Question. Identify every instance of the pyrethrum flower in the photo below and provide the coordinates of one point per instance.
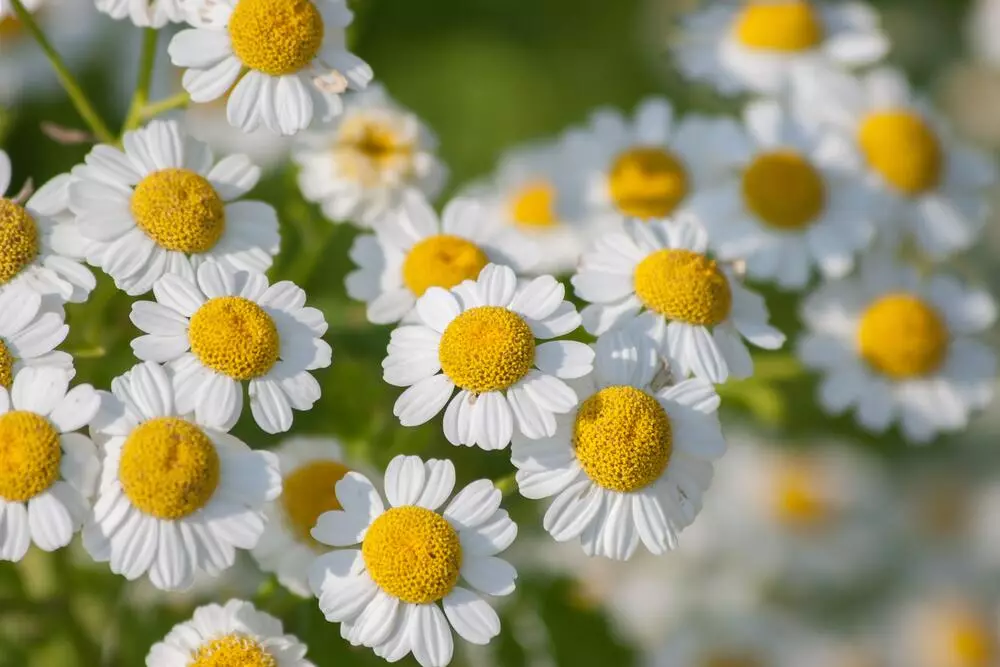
(481, 337)
(695, 308)
(176, 495)
(144, 13)
(280, 58)
(386, 594)
(47, 471)
(224, 329)
(29, 334)
(234, 634)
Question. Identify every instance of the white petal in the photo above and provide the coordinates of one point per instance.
(497, 285)
(422, 401)
(473, 505)
(573, 510)
(473, 618)
(430, 636)
(492, 422)
(564, 358)
(490, 575)
(404, 480)
(39, 390)
(77, 408)
(437, 308)
(491, 537)
(440, 481)
(49, 521)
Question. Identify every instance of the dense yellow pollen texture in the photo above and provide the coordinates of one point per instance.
(309, 491)
(169, 468)
(647, 182)
(18, 240)
(487, 348)
(903, 149)
(233, 650)
(179, 210)
(412, 554)
(783, 190)
(29, 455)
(799, 501)
(533, 205)
(902, 336)
(779, 26)
(6, 366)
(234, 336)
(367, 148)
(442, 260)
(684, 285)
(276, 37)
(622, 438)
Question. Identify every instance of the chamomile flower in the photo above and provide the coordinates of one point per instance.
(29, 334)
(223, 329)
(280, 59)
(176, 495)
(231, 634)
(693, 307)
(412, 251)
(358, 167)
(739, 46)
(481, 337)
(949, 624)
(892, 346)
(144, 13)
(163, 206)
(389, 593)
(49, 471)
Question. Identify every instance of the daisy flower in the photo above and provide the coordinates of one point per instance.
(755, 45)
(787, 206)
(693, 307)
(386, 593)
(144, 13)
(412, 251)
(947, 624)
(481, 337)
(935, 186)
(358, 167)
(49, 471)
(160, 206)
(176, 495)
(234, 634)
(29, 334)
(280, 59)
(892, 346)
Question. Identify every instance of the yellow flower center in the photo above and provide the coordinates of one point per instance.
(29, 455)
(972, 643)
(234, 336)
(412, 554)
(798, 500)
(684, 285)
(169, 468)
(18, 240)
(179, 210)
(534, 205)
(622, 438)
(6, 366)
(902, 336)
(779, 26)
(309, 491)
(487, 348)
(276, 37)
(442, 261)
(11, 28)
(367, 148)
(647, 182)
(903, 149)
(232, 650)
(783, 190)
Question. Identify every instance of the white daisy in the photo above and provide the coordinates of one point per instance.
(162, 207)
(49, 471)
(224, 329)
(481, 338)
(176, 495)
(385, 594)
(412, 251)
(787, 206)
(29, 334)
(358, 167)
(281, 58)
(234, 634)
(693, 307)
(755, 45)
(944, 624)
(144, 13)
(893, 346)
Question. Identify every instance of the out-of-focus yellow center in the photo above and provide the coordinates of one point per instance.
(684, 285)
(180, 210)
(974, 644)
(903, 149)
(276, 37)
(309, 491)
(783, 190)
(232, 650)
(487, 348)
(799, 501)
(18, 240)
(442, 261)
(647, 182)
(902, 336)
(774, 25)
(234, 336)
(6, 366)
(534, 205)
(29, 455)
(369, 148)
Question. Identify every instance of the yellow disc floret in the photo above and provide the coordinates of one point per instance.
(309, 491)
(412, 554)
(442, 261)
(533, 205)
(776, 25)
(783, 190)
(169, 468)
(684, 285)
(799, 500)
(276, 37)
(18, 240)
(903, 149)
(647, 182)
(622, 438)
(179, 210)
(29, 455)
(972, 642)
(234, 336)
(232, 650)
(6, 366)
(902, 336)
(487, 349)
(369, 149)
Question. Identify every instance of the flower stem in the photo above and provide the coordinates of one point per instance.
(141, 96)
(178, 101)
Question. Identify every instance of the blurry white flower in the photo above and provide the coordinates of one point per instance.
(144, 13)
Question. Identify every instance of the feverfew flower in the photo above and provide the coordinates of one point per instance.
(29, 334)
(144, 13)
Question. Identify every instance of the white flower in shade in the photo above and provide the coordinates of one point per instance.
(144, 13)
(163, 206)
(176, 496)
(279, 58)
(48, 471)
(935, 187)
(481, 337)
(386, 594)
(755, 45)
(29, 334)
(358, 167)
(695, 309)
(224, 329)
(32, 236)
(892, 346)
(412, 251)
(787, 206)
(234, 634)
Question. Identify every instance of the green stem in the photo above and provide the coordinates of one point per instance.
(314, 241)
(147, 62)
(178, 101)
(69, 83)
